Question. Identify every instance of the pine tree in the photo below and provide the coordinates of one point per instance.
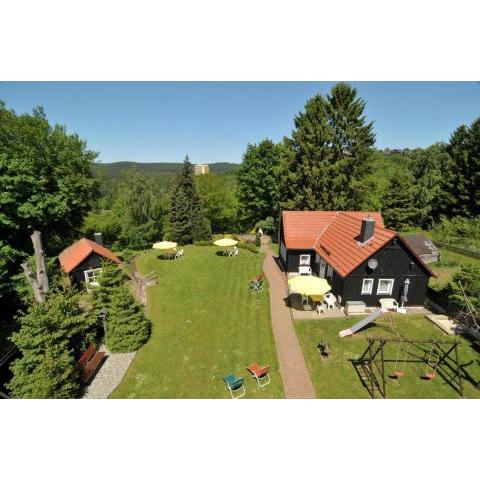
(127, 327)
(111, 277)
(399, 203)
(330, 152)
(57, 329)
(52, 376)
(188, 222)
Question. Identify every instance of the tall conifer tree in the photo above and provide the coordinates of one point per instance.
(331, 146)
(188, 222)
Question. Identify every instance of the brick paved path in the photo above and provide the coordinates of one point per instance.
(296, 379)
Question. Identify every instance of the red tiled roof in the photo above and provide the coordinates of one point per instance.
(333, 235)
(340, 248)
(75, 254)
(301, 229)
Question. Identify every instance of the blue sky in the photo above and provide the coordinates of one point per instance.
(214, 121)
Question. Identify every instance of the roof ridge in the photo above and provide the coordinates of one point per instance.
(325, 228)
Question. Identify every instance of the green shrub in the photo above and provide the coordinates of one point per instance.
(203, 243)
(469, 276)
(248, 246)
(127, 327)
(127, 255)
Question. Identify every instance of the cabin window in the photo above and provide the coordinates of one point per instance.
(91, 276)
(304, 259)
(367, 286)
(385, 286)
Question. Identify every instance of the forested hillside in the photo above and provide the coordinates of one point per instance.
(116, 169)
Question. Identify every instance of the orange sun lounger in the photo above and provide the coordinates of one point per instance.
(260, 373)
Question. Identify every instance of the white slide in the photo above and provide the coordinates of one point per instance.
(362, 323)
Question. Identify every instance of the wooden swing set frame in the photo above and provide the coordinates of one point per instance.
(371, 364)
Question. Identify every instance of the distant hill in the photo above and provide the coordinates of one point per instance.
(114, 170)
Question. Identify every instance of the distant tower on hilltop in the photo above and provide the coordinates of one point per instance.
(201, 169)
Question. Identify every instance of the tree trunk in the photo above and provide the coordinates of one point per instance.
(32, 280)
(39, 279)
(42, 276)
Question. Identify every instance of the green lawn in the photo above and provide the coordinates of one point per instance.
(206, 324)
(449, 264)
(337, 378)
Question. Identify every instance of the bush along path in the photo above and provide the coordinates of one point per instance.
(296, 379)
(125, 337)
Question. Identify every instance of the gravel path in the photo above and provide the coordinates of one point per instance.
(110, 374)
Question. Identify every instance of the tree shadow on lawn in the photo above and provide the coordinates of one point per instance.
(165, 257)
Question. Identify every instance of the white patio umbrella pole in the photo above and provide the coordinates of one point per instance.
(406, 284)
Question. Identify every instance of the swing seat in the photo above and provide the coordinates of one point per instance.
(399, 374)
(430, 376)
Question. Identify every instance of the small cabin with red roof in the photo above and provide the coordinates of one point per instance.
(361, 259)
(82, 261)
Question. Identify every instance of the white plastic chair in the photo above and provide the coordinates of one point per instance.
(304, 270)
(330, 300)
(179, 253)
(389, 303)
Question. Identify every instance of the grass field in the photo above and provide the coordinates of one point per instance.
(449, 264)
(336, 377)
(206, 324)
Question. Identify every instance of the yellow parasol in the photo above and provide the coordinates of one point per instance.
(308, 285)
(165, 245)
(225, 242)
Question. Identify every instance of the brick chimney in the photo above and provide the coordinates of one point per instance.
(367, 230)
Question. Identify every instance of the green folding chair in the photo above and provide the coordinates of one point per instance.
(235, 385)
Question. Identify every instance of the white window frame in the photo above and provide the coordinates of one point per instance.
(96, 273)
(370, 282)
(304, 256)
(390, 289)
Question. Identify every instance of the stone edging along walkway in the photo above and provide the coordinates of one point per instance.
(296, 379)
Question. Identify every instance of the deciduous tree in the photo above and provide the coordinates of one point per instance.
(463, 189)
(258, 190)
(399, 204)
